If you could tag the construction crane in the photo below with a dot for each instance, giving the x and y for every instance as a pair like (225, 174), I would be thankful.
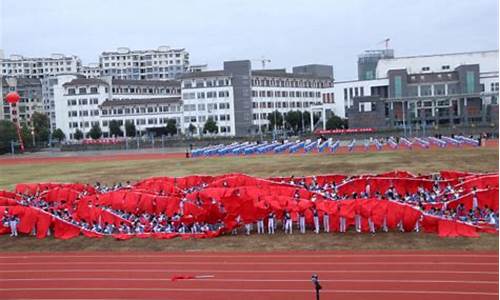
(385, 42)
(263, 61)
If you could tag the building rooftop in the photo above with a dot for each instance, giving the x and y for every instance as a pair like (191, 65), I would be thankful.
(281, 73)
(126, 102)
(85, 81)
(146, 82)
(216, 73)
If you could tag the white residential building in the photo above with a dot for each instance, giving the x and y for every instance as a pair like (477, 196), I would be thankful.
(91, 70)
(40, 67)
(83, 102)
(161, 64)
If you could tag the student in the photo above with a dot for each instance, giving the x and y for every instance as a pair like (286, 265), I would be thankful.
(260, 226)
(13, 221)
(326, 222)
(475, 202)
(270, 223)
(288, 223)
(316, 220)
(302, 222)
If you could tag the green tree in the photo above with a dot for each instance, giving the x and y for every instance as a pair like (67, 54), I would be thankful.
(78, 135)
(41, 125)
(307, 120)
(130, 128)
(7, 134)
(95, 132)
(114, 128)
(58, 135)
(26, 136)
(171, 128)
(275, 118)
(210, 126)
(293, 119)
(191, 128)
(336, 122)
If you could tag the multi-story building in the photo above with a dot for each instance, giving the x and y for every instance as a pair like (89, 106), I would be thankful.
(162, 64)
(82, 102)
(40, 67)
(240, 100)
(417, 92)
(91, 70)
(30, 91)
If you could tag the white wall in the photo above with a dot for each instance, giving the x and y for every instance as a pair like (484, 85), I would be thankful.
(487, 60)
(340, 88)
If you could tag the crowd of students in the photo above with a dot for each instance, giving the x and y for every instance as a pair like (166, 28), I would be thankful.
(135, 223)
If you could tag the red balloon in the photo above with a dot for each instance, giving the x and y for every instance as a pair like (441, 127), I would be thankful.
(12, 97)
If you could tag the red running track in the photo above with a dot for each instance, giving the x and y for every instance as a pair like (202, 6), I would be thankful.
(286, 275)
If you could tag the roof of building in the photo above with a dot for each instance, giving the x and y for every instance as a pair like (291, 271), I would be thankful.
(281, 73)
(23, 81)
(126, 102)
(202, 74)
(442, 54)
(85, 81)
(146, 82)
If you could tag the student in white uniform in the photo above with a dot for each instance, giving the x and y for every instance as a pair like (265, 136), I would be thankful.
(326, 222)
(302, 222)
(270, 223)
(288, 223)
(260, 226)
(316, 220)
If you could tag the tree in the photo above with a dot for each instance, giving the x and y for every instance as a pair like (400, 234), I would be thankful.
(78, 135)
(58, 135)
(95, 132)
(191, 128)
(130, 128)
(293, 119)
(26, 136)
(114, 128)
(7, 134)
(210, 126)
(41, 124)
(275, 118)
(171, 128)
(336, 122)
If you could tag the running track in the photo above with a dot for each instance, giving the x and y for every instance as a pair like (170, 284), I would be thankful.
(130, 155)
(344, 275)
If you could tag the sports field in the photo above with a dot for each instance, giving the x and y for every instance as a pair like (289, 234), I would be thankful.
(351, 266)
(130, 166)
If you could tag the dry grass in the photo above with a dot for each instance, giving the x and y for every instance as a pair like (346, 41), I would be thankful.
(261, 243)
(471, 159)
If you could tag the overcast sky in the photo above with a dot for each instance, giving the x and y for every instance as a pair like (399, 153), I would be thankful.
(289, 32)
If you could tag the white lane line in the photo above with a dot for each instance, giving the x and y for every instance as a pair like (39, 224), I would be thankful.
(107, 279)
(218, 290)
(245, 271)
(37, 263)
(284, 255)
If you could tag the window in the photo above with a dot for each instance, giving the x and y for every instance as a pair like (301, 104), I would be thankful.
(93, 90)
(445, 67)
(82, 91)
(398, 86)
(470, 82)
(494, 86)
(425, 69)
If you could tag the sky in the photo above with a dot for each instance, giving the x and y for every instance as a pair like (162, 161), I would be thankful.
(288, 32)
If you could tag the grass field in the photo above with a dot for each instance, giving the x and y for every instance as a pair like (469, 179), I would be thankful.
(417, 161)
